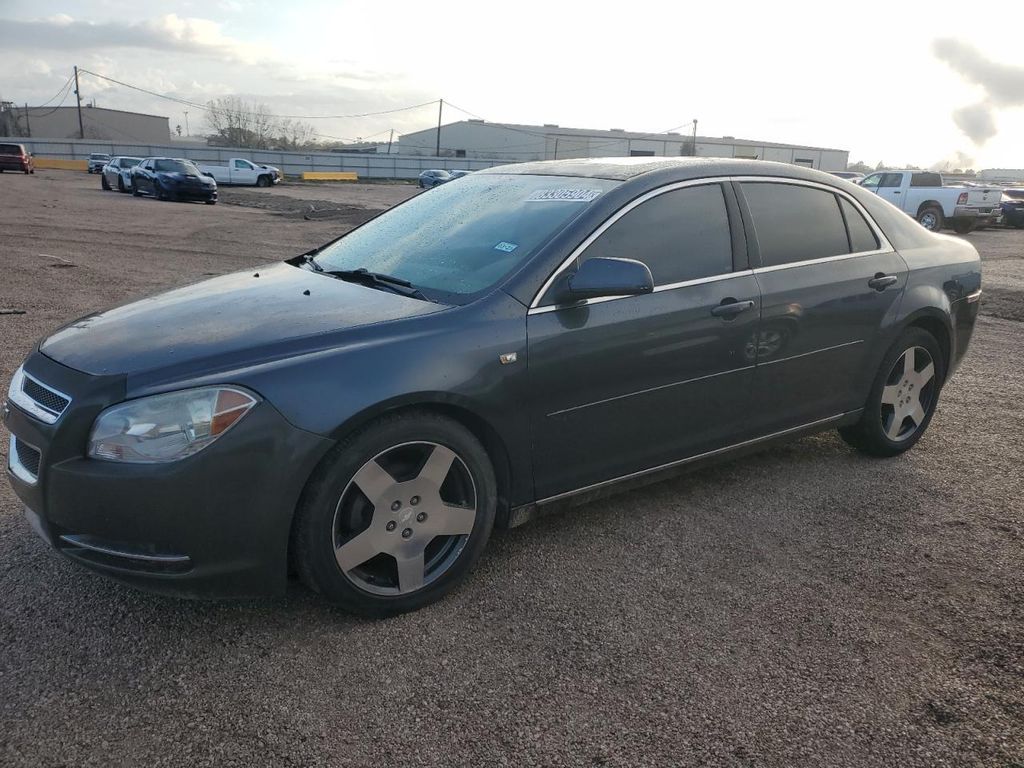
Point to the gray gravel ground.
(802, 607)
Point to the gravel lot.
(802, 607)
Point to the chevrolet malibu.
(364, 414)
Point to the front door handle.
(880, 282)
(729, 308)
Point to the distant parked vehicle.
(459, 173)
(172, 178)
(96, 162)
(433, 178)
(924, 196)
(242, 172)
(848, 175)
(118, 173)
(1012, 205)
(13, 157)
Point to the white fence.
(368, 166)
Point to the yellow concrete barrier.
(53, 163)
(330, 176)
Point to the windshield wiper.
(363, 276)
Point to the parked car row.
(14, 157)
(164, 178)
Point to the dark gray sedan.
(364, 414)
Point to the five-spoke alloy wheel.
(903, 397)
(396, 515)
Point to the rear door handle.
(729, 308)
(880, 282)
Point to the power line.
(208, 108)
(67, 92)
(62, 89)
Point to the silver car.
(118, 173)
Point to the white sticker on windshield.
(571, 195)
(506, 247)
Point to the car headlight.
(167, 427)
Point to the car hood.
(227, 322)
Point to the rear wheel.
(930, 218)
(903, 397)
(396, 515)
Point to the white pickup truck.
(923, 195)
(240, 171)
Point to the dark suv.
(14, 157)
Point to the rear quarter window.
(795, 223)
(862, 237)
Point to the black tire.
(120, 184)
(317, 526)
(104, 183)
(263, 181)
(869, 434)
(963, 226)
(210, 202)
(136, 192)
(931, 218)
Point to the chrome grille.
(27, 456)
(44, 396)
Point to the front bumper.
(215, 524)
(192, 193)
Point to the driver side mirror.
(605, 276)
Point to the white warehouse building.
(519, 143)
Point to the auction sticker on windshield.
(570, 195)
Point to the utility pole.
(440, 106)
(186, 124)
(78, 98)
(28, 125)
(695, 137)
(390, 138)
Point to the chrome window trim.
(884, 245)
(15, 466)
(20, 398)
(659, 289)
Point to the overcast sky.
(893, 81)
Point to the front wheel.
(263, 181)
(135, 189)
(104, 183)
(396, 515)
(902, 399)
(120, 184)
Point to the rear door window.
(680, 235)
(795, 223)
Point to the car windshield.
(130, 162)
(95, 156)
(458, 240)
(175, 166)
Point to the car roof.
(678, 168)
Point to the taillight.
(962, 200)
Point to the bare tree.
(240, 123)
